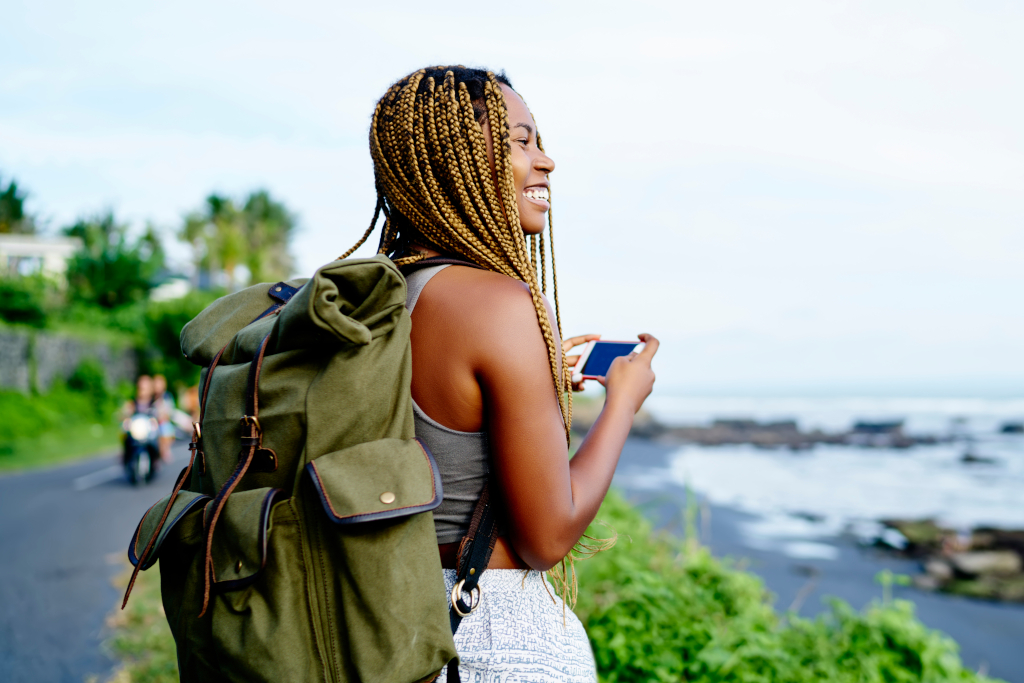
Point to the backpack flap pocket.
(186, 502)
(376, 480)
(240, 540)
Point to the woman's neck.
(420, 249)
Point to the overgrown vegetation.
(71, 420)
(163, 323)
(111, 269)
(660, 609)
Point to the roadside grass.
(661, 608)
(59, 446)
(68, 422)
(141, 640)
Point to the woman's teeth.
(538, 193)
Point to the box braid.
(435, 186)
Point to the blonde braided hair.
(435, 186)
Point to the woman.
(461, 173)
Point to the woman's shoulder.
(480, 298)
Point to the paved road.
(63, 533)
(991, 635)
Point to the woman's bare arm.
(550, 500)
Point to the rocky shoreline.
(985, 563)
(982, 563)
(781, 434)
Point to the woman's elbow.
(545, 555)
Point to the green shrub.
(43, 429)
(660, 609)
(164, 321)
(23, 300)
(90, 379)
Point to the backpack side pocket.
(185, 503)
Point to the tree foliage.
(164, 321)
(23, 299)
(111, 269)
(254, 235)
(13, 218)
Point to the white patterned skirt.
(518, 634)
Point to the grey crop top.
(462, 457)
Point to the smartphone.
(598, 355)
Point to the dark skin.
(480, 363)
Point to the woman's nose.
(544, 163)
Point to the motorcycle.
(141, 450)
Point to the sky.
(795, 197)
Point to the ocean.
(801, 499)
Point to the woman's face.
(530, 166)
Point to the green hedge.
(660, 609)
(71, 420)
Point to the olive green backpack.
(298, 544)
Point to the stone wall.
(54, 357)
(14, 356)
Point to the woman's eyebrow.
(527, 126)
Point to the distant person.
(165, 408)
(461, 175)
(143, 401)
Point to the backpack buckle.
(252, 421)
(473, 602)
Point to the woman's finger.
(568, 344)
(651, 345)
(571, 361)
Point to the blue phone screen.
(602, 355)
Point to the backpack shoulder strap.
(437, 261)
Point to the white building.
(27, 254)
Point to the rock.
(940, 570)
(894, 539)
(990, 587)
(972, 459)
(926, 582)
(923, 536)
(982, 540)
(997, 562)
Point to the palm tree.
(224, 237)
(268, 226)
(216, 233)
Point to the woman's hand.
(630, 379)
(570, 361)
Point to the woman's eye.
(523, 141)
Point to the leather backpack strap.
(196, 448)
(474, 555)
(281, 293)
(252, 440)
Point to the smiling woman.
(462, 178)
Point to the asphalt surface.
(991, 635)
(63, 534)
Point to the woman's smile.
(538, 194)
